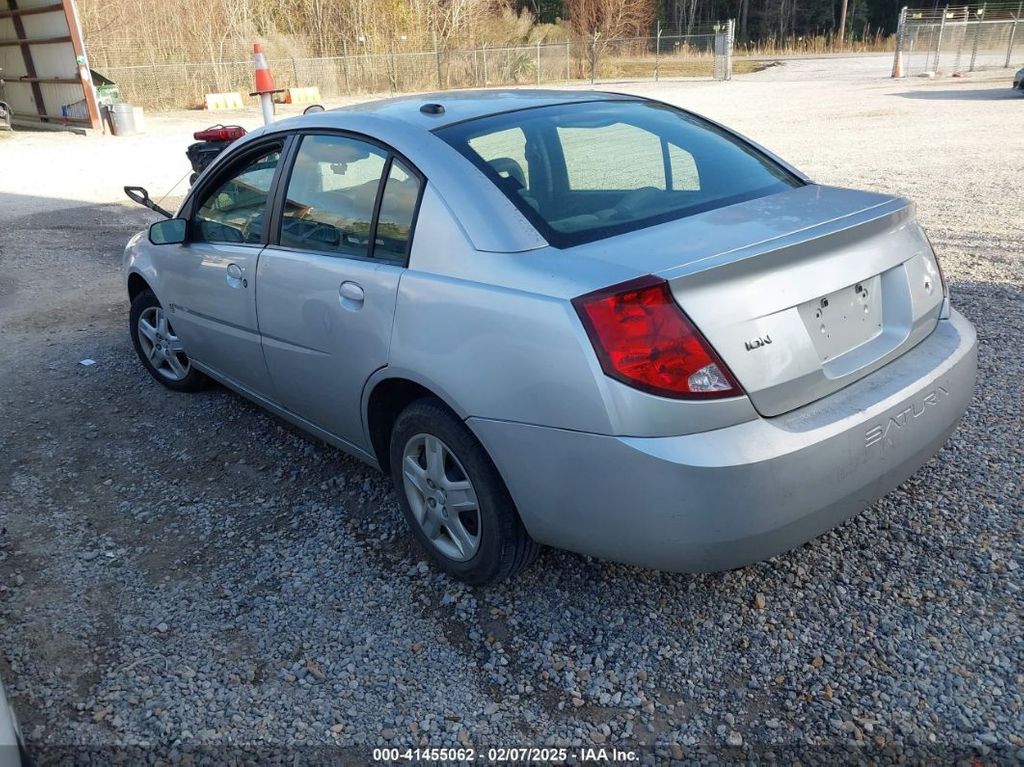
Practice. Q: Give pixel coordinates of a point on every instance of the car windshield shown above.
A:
(584, 171)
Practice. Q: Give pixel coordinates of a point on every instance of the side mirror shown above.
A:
(169, 232)
(312, 109)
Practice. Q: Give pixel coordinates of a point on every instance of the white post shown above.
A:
(267, 103)
(729, 50)
(979, 19)
(938, 40)
(1013, 33)
(657, 52)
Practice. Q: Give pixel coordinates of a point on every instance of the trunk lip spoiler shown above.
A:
(823, 228)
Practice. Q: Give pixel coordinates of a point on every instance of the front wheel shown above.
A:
(453, 498)
(159, 347)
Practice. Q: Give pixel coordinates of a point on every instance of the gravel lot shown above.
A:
(184, 571)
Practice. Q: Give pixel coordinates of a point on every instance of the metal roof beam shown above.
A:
(37, 41)
(45, 80)
(78, 45)
(26, 56)
(10, 14)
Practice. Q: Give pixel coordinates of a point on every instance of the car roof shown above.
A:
(486, 215)
(463, 105)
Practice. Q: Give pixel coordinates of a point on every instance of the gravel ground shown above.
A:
(182, 572)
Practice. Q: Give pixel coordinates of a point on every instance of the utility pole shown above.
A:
(842, 24)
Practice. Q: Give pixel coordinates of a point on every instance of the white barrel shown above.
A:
(122, 119)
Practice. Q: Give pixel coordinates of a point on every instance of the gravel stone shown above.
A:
(302, 613)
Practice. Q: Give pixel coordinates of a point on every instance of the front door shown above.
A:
(326, 293)
(211, 280)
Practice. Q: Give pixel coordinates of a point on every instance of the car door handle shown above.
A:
(235, 277)
(352, 295)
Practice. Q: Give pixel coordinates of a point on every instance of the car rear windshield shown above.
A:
(584, 171)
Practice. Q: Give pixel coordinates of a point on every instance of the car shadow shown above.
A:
(962, 94)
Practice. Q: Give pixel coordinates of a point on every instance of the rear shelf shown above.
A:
(844, 283)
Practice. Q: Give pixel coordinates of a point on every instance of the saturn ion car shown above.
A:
(586, 320)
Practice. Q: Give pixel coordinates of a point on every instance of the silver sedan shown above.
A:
(586, 320)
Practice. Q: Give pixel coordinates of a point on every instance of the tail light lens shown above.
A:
(644, 339)
(220, 133)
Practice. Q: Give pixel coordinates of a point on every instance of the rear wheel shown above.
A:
(453, 497)
(159, 347)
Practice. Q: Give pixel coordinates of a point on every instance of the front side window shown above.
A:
(236, 210)
(615, 166)
(331, 195)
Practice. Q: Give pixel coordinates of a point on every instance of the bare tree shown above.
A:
(610, 18)
(455, 19)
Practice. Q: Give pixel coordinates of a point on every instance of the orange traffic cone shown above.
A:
(897, 65)
(264, 80)
(264, 83)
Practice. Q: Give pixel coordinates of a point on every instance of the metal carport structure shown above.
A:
(46, 73)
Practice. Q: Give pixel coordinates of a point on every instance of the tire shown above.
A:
(503, 548)
(171, 368)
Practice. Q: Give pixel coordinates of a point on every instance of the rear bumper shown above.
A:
(725, 498)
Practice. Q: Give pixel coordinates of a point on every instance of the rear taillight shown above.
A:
(220, 133)
(644, 339)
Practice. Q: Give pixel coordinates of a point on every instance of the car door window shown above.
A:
(236, 210)
(397, 211)
(331, 195)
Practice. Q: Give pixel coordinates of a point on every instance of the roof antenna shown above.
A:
(432, 109)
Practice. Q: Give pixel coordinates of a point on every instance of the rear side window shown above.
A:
(614, 166)
(397, 212)
(331, 195)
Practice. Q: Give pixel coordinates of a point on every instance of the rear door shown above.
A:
(209, 282)
(327, 286)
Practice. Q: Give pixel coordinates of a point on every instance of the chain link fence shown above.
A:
(163, 85)
(958, 38)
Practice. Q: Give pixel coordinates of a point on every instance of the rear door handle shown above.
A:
(235, 277)
(352, 295)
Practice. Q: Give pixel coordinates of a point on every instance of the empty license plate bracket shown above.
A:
(844, 319)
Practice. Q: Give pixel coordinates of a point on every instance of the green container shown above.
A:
(107, 92)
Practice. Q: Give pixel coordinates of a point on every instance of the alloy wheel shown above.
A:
(161, 346)
(441, 496)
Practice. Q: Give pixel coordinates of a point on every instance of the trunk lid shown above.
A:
(800, 293)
